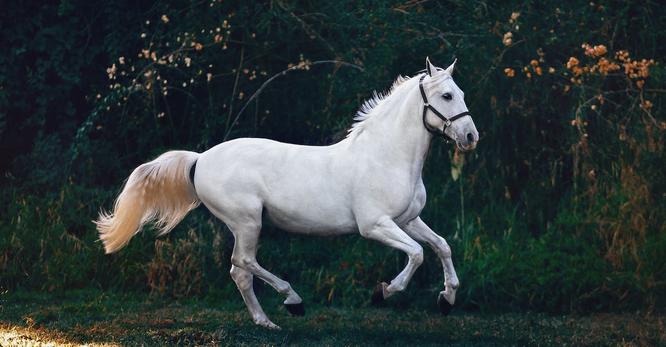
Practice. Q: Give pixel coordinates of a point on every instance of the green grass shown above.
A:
(94, 317)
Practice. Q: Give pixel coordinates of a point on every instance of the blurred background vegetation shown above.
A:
(560, 208)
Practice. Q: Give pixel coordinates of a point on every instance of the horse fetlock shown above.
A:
(259, 317)
(393, 288)
(265, 322)
(452, 282)
(284, 288)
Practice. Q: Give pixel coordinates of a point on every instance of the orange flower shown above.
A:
(514, 16)
(599, 50)
(646, 105)
(507, 40)
(572, 63)
(595, 51)
(509, 72)
(605, 66)
(622, 55)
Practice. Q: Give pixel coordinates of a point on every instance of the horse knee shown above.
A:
(446, 251)
(443, 247)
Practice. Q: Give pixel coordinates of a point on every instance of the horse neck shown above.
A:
(398, 136)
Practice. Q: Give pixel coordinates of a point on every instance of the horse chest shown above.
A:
(414, 207)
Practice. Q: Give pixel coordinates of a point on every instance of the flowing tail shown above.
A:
(159, 191)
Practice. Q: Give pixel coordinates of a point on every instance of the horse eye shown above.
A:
(447, 96)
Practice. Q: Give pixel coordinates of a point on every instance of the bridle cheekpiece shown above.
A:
(447, 120)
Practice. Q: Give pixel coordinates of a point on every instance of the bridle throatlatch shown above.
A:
(447, 121)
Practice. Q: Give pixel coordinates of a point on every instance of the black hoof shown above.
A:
(378, 295)
(444, 306)
(296, 309)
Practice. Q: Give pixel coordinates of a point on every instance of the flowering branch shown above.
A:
(303, 65)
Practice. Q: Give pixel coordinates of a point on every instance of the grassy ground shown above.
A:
(98, 318)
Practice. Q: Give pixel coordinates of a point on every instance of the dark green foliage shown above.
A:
(560, 208)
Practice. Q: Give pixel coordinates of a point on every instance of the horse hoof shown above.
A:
(378, 294)
(444, 306)
(296, 309)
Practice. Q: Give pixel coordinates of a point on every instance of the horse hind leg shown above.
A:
(244, 257)
(244, 280)
(243, 217)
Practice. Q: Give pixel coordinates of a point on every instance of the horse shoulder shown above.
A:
(420, 196)
(416, 205)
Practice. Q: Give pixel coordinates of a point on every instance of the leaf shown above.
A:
(457, 163)
(455, 172)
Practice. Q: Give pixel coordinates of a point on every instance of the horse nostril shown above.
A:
(470, 138)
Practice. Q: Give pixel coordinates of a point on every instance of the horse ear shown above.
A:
(429, 67)
(449, 69)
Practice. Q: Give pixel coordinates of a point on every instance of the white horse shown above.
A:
(369, 183)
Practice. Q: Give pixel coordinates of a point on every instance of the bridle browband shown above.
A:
(427, 106)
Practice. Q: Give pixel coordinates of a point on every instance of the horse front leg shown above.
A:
(420, 231)
(387, 232)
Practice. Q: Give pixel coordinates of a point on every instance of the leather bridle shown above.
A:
(427, 106)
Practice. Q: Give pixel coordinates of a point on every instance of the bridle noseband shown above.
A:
(427, 106)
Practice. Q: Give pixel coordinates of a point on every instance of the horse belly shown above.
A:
(307, 223)
(311, 217)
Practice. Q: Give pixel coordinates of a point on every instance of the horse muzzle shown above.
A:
(468, 142)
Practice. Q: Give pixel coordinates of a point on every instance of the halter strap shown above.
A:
(427, 106)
